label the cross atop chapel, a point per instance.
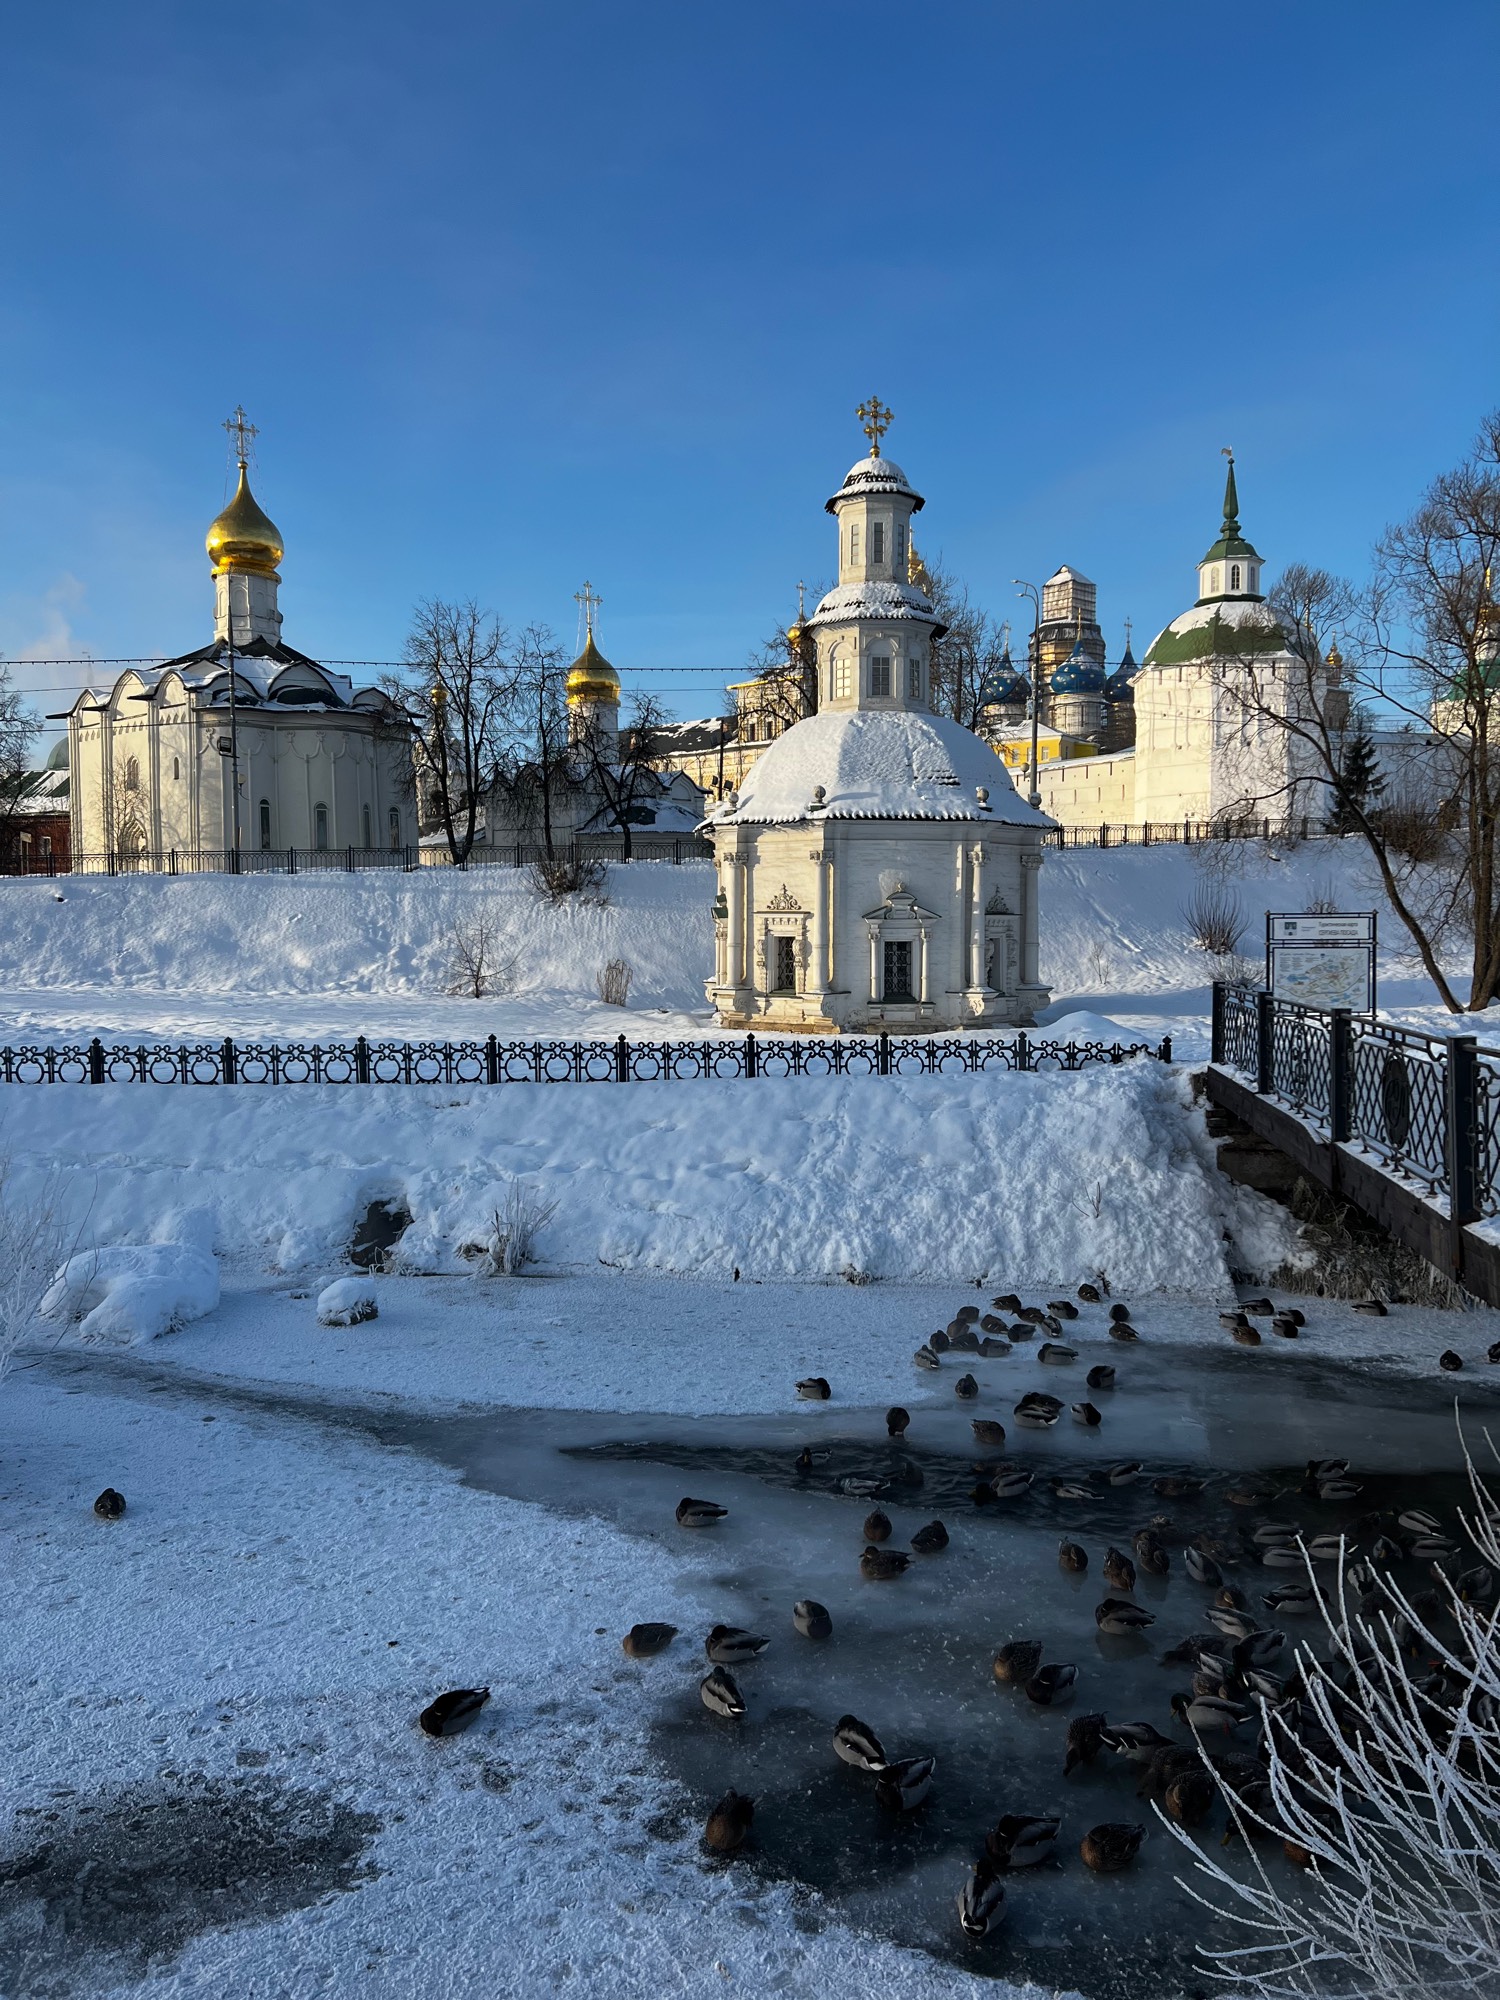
(590, 602)
(242, 430)
(874, 420)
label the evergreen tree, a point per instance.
(1359, 783)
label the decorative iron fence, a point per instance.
(493, 1061)
(341, 860)
(1186, 832)
(1425, 1107)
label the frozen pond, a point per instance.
(913, 1657)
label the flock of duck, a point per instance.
(1237, 1665)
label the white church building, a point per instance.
(245, 745)
(876, 868)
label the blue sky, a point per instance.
(524, 295)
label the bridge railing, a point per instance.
(1425, 1107)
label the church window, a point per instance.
(1213, 579)
(132, 775)
(320, 827)
(395, 826)
(877, 541)
(854, 541)
(44, 846)
(265, 825)
(176, 768)
(783, 965)
(367, 825)
(880, 676)
(914, 680)
(900, 540)
(1234, 577)
(898, 969)
(841, 688)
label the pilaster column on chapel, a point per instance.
(821, 980)
(1030, 920)
(976, 923)
(959, 931)
(734, 896)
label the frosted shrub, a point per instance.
(34, 1241)
(478, 963)
(1385, 1771)
(614, 980)
(556, 877)
(523, 1212)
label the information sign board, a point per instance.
(1322, 959)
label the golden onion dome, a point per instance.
(795, 634)
(243, 537)
(591, 677)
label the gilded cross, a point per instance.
(240, 426)
(874, 420)
(591, 603)
(802, 601)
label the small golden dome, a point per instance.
(916, 570)
(591, 677)
(243, 537)
(796, 632)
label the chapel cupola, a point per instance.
(1231, 569)
(593, 689)
(245, 548)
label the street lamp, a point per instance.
(1033, 793)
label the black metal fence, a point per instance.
(342, 860)
(620, 1061)
(1186, 832)
(1425, 1107)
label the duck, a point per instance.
(857, 1744)
(1375, 1308)
(1084, 1738)
(992, 1323)
(1071, 1489)
(1124, 1473)
(1072, 1557)
(1008, 1302)
(1339, 1489)
(1231, 1621)
(1111, 1846)
(1450, 1362)
(1119, 1311)
(927, 1541)
(1101, 1376)
(1284, 1555)
(1256, 1651)
(1189, 1648)
(896, 1421)
(644, 1642)
(963, 1341)
(877, 1526)
(1119, 1617)
(1259, 1308)
(1201, 1568)
(1177, 1486)
(1319, 1469)
(1384, 1550)
(860, 1485)
(966, 1387)
(1188, 1798)
(815, 1389)
(728, 1823)
(1011, 1482)
(1051, 1684)
(1426, 1547)
(1119, 1571)
(987, 1431)
(1055, 1354)
(110, 1505)
(1284, 1327)
(699, 1513)
(805, 1459)
(1492, 1353)
(1017, 1660)
(1085, 1414)
(1476, 1585)
(1245, 1336)
(1230, 1597)
(1267, 1534)
(1052, 1324)
(729, 1646)
(1151, 1556)
(1022, 1330)
(1021, 1840)
(993, 1350)
(981, 1901)
(1206, 1711)
(1417, 1521)
(882, 1565)
(1090, 1295)
(1034, 1315)
(1295, 1600)
(1328, 1548)
(720, 1695)
(811, 1619)
(1038, 1412)
(904, 1785)
(1121, 1329)
(1217, 1661)
(451, 1713)
(967, 1316)
(925, 1357)
(939, 1342)
(1295, 1314)
(1062, 1308)
(1137, 1741)
(1162, 1766)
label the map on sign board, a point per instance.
(1322, 960)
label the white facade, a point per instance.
(153, 760)
(876, 869)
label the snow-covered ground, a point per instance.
(337, 955)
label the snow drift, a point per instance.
(119, 1295)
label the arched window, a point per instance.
(1234, 576)
(320, 827)
(395, 826)
(176, 768)
(265, 824)
(132, 774)
(366, 815)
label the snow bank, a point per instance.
(1039, 1178)
(119, 1295)
(347, 1302)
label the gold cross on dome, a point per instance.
(802, 598)
(590, 602)
(874, 420)
(240, 426)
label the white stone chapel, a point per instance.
(877, 868)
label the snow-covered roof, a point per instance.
(1227, 627)
(877, 764)
(874, 600)
(274, 673)
(37, 792)
(875, 475)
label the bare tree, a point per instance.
(787, 672)
(967, 651)
(1421, 645)
(455, 689)
(478, 963)
(18, 731)
(539, 767)
(622, 769)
